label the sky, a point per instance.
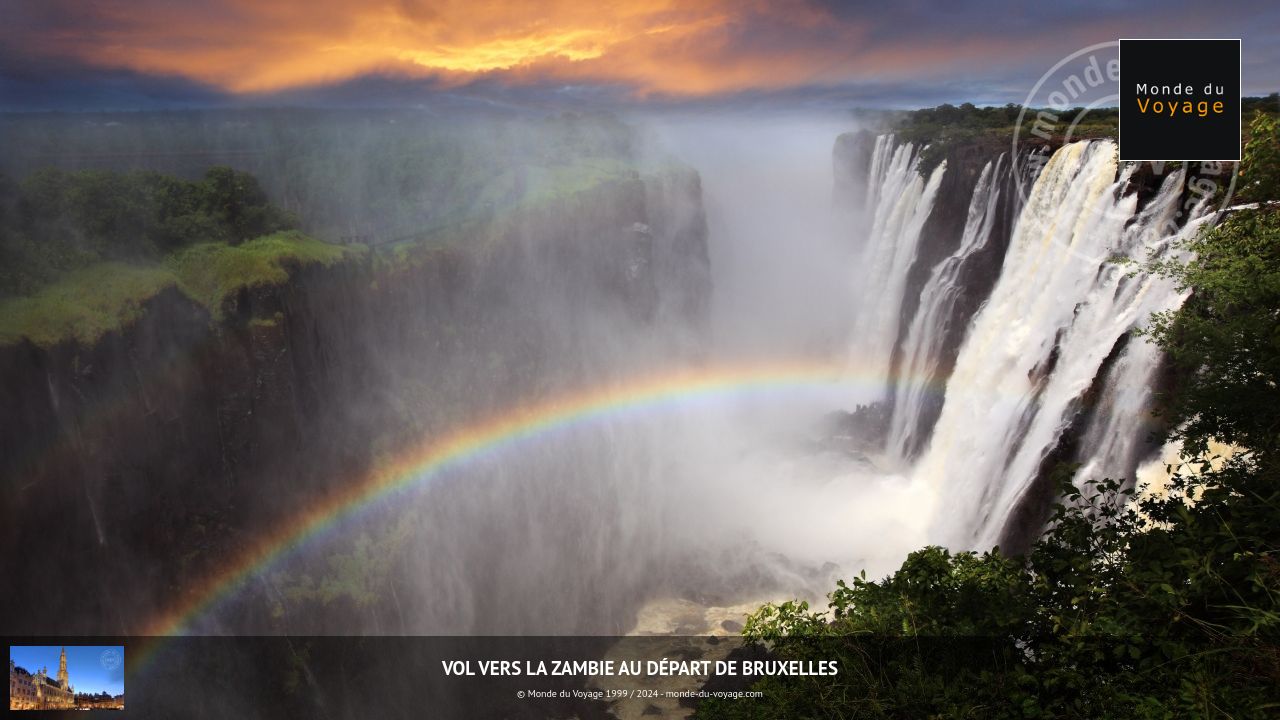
(144, 54)
(86, 668)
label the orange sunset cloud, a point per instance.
(653, 46)
(639, 49)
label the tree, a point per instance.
(1160, 605)
(1226, 337)
(1260, 166)
(237, 202)
(55, 221)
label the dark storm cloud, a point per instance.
(37, 84)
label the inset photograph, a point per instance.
(85, 677)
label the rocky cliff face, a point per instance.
(134, 465)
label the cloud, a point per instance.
(260, 46)
(34, 83)
(620, 50)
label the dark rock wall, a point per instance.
(131, 467)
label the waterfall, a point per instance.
(1118, 435)
(1057, 311)
(918, 373)
(899, 202)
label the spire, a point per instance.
(63, 680)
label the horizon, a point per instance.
(853, 110)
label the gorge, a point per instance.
(748, 366)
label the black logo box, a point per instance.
(1180, 65)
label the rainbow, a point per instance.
(428, 459)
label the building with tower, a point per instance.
(39, 691)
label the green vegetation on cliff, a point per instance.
(82, 253)
(211, 272)
(1158, 604)
(401, 184)
(54, 222)
(378, 176)
(85, 251)
(948, 126)
(84, 305)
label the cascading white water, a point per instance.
(1118, 434)
(920, 350)
(1035, 348)
(1119, 430)
(899, 202)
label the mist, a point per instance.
(486, 264)
(736, 498)
(705, 333)
(732, 499)
(781, 269)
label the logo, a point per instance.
(1079, 98)
(1180, 100)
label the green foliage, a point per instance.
(380, 176)
(1226, 337)
(937, 593)
(55, 221)
(82, 252)
(1269, 105)
(1161, 605)
(84, 305)
(88, 303)
(407, 185)
(946, 127)
(213, 272)
(1260, 168)
(236, 204)
(1152, 608)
